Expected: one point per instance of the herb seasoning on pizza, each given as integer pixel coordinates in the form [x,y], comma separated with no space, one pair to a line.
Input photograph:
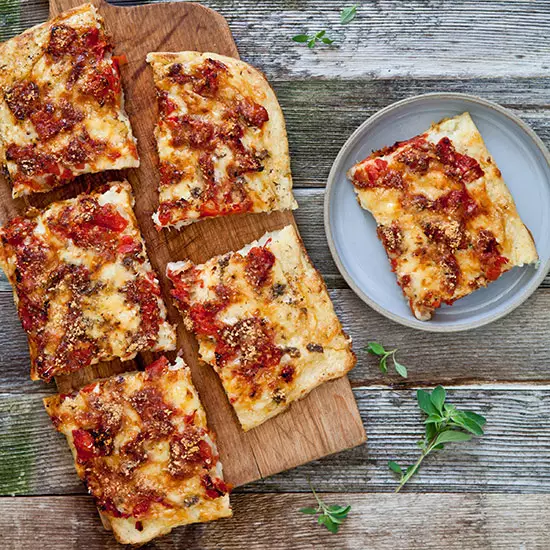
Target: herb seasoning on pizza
[142,446]
[445,216]
[61,104]
[221,139]
[265,322]
[84,288]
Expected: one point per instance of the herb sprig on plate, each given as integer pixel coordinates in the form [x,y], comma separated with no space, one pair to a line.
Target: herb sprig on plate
[331,516]
[444,424]
[374,348]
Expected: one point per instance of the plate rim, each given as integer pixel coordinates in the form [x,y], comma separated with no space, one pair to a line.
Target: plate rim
[415,323]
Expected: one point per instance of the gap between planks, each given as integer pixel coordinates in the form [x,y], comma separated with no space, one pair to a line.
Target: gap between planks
[405,521]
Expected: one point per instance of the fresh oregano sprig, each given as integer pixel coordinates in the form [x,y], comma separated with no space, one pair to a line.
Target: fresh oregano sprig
[331,516]
[347,15]
[374,348]
[312,39]
[444,424]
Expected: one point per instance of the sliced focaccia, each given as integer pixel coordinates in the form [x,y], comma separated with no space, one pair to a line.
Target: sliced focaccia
[445,216]
[221,139]
[142,446]
[265,322]
[61,104]
[83,285]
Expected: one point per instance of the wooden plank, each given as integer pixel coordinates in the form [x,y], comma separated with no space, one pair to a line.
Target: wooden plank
[473,357]
[511,457]
[311,428]
[456,521]
[390,38]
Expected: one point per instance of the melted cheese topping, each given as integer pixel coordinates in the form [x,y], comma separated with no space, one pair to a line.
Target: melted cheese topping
[142,446]
[265,322]
[444,214]
[61,104]
[85,289]
[221,139]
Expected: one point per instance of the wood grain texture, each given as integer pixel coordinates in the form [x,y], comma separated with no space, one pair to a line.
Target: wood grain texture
[327,420]
[457,521]
[388,39]
[511,457]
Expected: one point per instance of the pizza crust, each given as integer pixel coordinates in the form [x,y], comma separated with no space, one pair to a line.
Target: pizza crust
[183,200]
[96,134]
[128,461]
[444,214]
[83,291]
[289,315]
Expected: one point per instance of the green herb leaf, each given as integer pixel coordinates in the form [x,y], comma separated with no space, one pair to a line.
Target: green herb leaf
[451,436]
[384,364]
[477,418]
[347,15]
[438,398]
[425,402]
[375,348]
[331,516]
[400,369]
[444,424]
[311,40]
[394,467]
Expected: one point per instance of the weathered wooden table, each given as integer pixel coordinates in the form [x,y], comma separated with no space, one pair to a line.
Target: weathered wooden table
[493,492]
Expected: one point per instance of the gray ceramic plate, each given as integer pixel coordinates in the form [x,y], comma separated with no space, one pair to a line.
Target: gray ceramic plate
[351,231]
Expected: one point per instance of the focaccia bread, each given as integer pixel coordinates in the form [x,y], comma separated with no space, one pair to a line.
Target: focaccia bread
[61,104]
[445,216]
[142,447]
[221,139]
[83,285]
[265,322]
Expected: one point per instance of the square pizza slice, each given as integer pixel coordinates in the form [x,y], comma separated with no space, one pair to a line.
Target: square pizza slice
[444,214]
[83,285]
[141,445]
[221,139]
[264,322]
[61,104]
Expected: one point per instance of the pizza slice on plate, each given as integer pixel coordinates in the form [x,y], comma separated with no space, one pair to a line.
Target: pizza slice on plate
[61,104]
[221,139]
[83,285]
[265,322]
[142,446]
[445,216]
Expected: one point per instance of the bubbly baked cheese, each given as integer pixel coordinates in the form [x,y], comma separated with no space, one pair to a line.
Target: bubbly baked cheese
[265,322]
[142,446]
[445,216]
[61,104]
[83,285]
[221,139]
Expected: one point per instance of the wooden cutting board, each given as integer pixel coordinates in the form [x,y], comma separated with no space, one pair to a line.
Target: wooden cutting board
[325,422]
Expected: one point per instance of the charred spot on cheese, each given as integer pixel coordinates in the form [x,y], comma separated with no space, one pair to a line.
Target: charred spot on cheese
[22,99]
[315,348]
[252,341]
[204,79]
[391,236]
[488,250]
[258,265]
[62,40]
